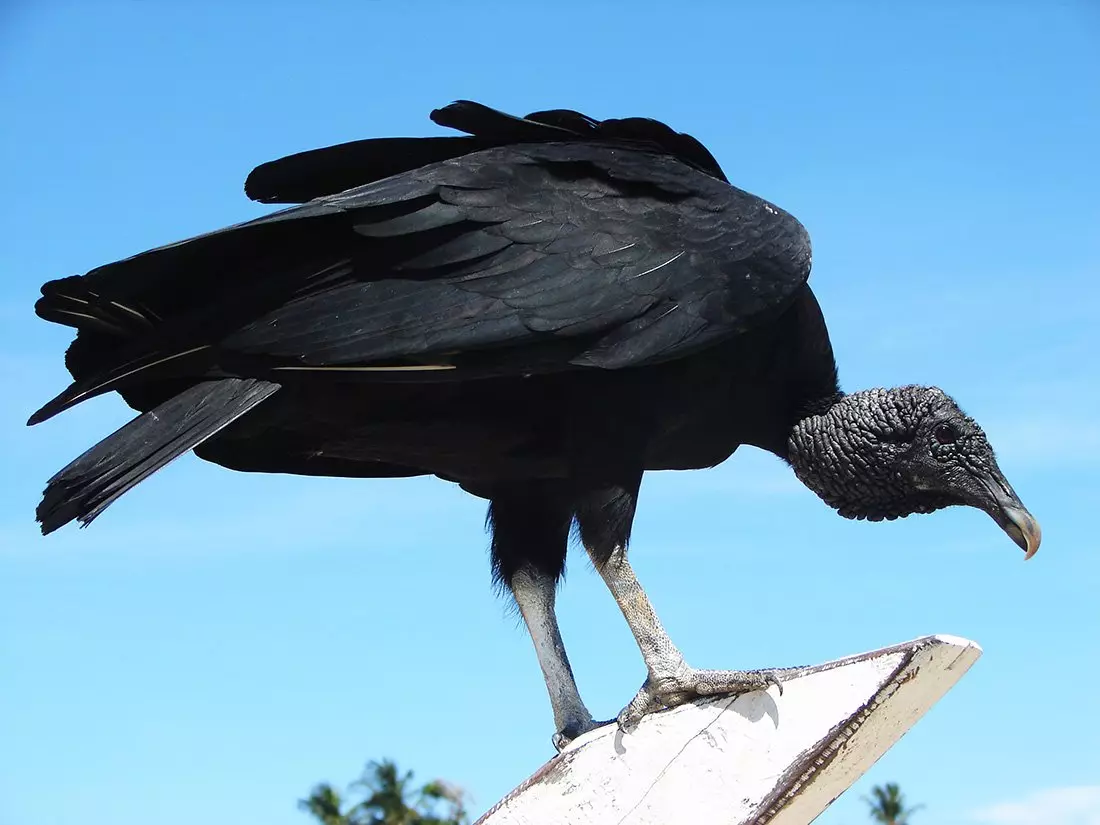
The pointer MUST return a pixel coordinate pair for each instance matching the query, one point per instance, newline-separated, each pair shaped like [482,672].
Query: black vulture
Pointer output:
[540,311]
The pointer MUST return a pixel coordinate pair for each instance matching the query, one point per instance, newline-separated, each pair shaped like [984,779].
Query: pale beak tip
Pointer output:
[1033,541]
[1032,534]
[1022,527]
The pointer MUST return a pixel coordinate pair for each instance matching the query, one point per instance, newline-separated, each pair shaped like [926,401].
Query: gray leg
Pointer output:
[671,680]
[534,593]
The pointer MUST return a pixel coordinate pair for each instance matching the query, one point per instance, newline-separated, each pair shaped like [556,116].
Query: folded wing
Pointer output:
[509,260]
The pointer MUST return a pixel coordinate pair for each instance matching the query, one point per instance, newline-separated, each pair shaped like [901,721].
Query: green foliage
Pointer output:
[390,799]
[888,805]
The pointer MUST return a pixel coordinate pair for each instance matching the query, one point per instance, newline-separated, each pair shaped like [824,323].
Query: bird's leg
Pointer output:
[605,514]
[534,592]
[671,681]
[530,528]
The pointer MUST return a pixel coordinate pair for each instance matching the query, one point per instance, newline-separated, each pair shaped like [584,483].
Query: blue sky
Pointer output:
[218,642]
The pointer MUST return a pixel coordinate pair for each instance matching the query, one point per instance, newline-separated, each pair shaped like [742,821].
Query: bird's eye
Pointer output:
[945,434]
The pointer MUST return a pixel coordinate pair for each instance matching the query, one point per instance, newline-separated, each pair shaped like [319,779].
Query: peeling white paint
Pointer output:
[759,759]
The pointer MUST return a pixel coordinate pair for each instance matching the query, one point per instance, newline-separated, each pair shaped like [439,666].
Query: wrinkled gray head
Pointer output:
[884,454]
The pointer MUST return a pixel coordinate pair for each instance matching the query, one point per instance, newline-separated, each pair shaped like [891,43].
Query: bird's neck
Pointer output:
[833,455]
[846,451]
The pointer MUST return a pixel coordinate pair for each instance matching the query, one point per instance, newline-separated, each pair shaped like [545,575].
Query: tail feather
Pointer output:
[91,483]
[104,382]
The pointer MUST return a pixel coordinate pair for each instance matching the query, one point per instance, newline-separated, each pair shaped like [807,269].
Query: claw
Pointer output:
[562,738]
[643,702]
[772,679]
[627,721]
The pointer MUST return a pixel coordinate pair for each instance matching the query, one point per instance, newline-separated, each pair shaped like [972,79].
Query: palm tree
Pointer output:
[888,805]
[325,804]
[390,799]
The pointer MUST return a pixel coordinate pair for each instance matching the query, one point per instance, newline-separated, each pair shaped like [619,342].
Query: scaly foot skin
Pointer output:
[689,684]
[575,730]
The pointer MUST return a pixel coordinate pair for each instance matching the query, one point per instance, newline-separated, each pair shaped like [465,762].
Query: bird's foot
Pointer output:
[689,684]
[575,730]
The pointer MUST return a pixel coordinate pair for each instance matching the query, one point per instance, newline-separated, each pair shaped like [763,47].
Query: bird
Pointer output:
[540,309]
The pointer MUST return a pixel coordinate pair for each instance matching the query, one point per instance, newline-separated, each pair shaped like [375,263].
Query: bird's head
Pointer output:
[884,454]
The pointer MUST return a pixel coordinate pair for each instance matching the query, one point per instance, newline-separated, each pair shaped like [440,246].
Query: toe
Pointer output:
[642,703]
[771,678]
[575,730]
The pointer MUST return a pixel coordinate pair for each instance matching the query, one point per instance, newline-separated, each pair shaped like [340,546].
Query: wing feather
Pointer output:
[615,257]
[317,173]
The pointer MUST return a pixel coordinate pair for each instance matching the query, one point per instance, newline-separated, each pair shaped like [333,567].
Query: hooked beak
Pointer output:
[1008,511]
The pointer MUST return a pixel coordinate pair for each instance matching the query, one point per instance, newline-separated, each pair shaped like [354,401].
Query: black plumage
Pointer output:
[540,311]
